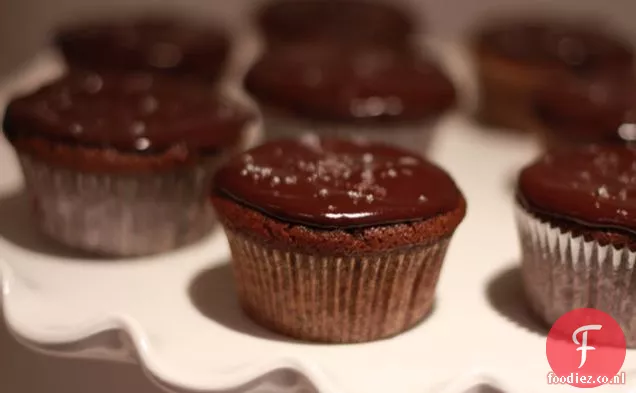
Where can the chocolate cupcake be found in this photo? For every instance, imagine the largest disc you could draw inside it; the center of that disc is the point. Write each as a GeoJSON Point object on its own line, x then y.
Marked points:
{"type": "Point", "coordinates": [365, 92]}
{"type": "Point", "coordinates": [577, 111]}
{"type": "Point", "coordinates": [343, 22]}
{"type": "Point", "coordinates": [121, 164]}
{"type": "Point", "coordinates": [577, 224]}
{"type": "Point", "coordinates": [336, 241]}
{"type": "Point", "coordinates": [151, 44]}
{"type": "Point", "coordinates": [517, 57]}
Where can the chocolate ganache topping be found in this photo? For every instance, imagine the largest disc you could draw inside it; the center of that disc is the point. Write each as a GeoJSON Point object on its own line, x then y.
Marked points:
{"type": "Point", "coordinates": [599, 109]}
{"type": "Point", "coordinates": [328, 183]}
{"type": "Point", "coordinates": [594, 186]}
{"type": "Point", "coordinates": [562, 44]}
{"type": "Point", "coordinates": [363, 84]}
{"type": "Point", "coordinates": [138, 113]}
{"type": "Point", "coordinates": [158, 43]}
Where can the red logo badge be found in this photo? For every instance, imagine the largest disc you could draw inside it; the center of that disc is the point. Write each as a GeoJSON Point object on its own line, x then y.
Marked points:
{"type": "Point", "coordinates": [586, 348]}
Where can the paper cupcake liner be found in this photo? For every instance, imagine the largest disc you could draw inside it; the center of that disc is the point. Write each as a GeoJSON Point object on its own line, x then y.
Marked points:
{"type": "Point", "coordinates": [123, 215]}
{"type": "Point", "coordinates": [335, 299]}
{"type": "Point", "coordinates": [562, 272]}
{"type": "Point", "coordinates": [412, 136]}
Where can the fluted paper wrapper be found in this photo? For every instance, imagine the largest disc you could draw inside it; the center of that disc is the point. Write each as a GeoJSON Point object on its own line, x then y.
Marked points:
{"type": "Point", "coordinates": [120, 215]}
{"type": "Point", "coordinates": [562, 272]}
{"type": "Point", "coordinates": [335, 299]}
{"type": "Point", "coordinates": [411, 136]}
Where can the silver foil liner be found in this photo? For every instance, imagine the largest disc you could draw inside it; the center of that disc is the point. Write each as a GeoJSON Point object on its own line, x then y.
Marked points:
{"type": "Point", "coordinates": [415, 137]}
{"type": "Point", "coordinates": [121, 215]}
{"type": "Point", "coordinates": [562, 272]}
{"type": "Point", "coordinates": [335, 299]}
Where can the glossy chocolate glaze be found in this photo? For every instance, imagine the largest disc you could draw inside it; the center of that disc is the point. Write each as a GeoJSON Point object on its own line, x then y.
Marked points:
{"type": "Point", "coordinates": [336, 21]}
{"type": "Point", "coordinates": [130, 112]}
{"type": "Point", "coordinates": [158, 44]}
{"type": "Point", "coordinates": [577, 47]}
{"type": "Point", "coordinates": [332, 183]}
{"type": "Point", "coordinates": [594, 185]}
{"type": "Point", "coordinates": [361, 84]}
{"type": "Point", "coordinates": [600, 109]}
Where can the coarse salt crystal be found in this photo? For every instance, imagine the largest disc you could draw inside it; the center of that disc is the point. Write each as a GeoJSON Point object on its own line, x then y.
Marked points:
{"type": "Point", "coordinates": [602, 192]}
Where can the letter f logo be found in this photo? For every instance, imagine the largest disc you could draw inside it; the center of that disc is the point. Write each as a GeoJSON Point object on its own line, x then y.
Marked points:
{"type": "Point", "coordinates": [583, 344]}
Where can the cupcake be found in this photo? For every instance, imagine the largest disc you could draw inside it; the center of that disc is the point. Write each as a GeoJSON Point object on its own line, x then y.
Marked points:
{"type": "Point", "coordinates": [121, 164]}
{"type": "Point", "coordinates": [336, 241]}
{"type": "Point", "coordinates": [365, 92]}
{"type": "Point", "coordinates": [341, 22]}
{"type": "Point", "coordinates": [516, 57]}
{"type": "Point", "coordinates": [152, 44]}
{"type": "Point", "coordinates": [575, 111]}
{"type": "Point", "coordinates": [577, 222]}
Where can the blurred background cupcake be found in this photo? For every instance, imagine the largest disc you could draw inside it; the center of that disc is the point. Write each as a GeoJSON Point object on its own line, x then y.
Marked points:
{"type": "Point", "coordinates": [162, 44]}
{"type": "Point", "coordinates": [357, 92]}
{"type": "Point", "coordinates": [575, 111]}
{"type": "Point", "coordinates": [121, 164]}
{"type": "Point", "coordinates": [516, 56]}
